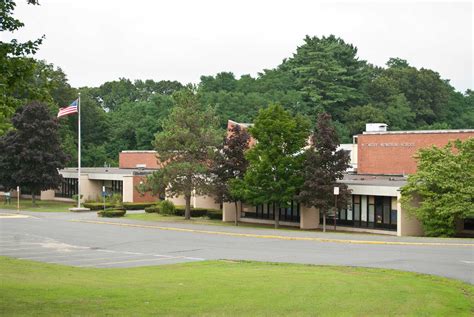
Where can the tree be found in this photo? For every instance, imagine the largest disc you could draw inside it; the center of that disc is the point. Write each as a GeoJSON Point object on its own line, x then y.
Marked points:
{"type": "Point", "coordinates": [31, 155]}
{"type": "Point", "coordinates": [230, 165]}
{"type": "Point", "coordinates": [441, 191]}
{"type": "Point", "coordinates": [186, 146]}
{"type": "Point", "coordinates": [16, 70]}
{"type": "Point", "coordinates": [357, 117]}
{"type": "Point", "coordinates": [330, 75]}
{"type": "Point", "coordinates": [273, 174]}
{"type": "Point", "coordinates": [323, 166]}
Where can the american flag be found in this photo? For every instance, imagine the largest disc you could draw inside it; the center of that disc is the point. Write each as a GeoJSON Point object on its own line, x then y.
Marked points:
{"type": "Point", "coordinates": [72, 108]}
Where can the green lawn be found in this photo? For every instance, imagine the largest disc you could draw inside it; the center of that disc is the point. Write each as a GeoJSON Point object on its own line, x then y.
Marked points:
{"type": "Point", "coordinates": [42, 205]}
{"type": "Point", "coordinates": [226, 288]}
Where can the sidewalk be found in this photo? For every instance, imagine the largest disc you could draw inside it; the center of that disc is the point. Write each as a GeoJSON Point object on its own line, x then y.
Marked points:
{"type": "Point", "coordinates": [264, 233]}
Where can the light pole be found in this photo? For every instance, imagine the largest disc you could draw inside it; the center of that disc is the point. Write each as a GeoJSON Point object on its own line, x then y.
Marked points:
{"type": "Point", "coordinates": [18, 199]}
{"type": "Point", "coordinates": [336, 193]}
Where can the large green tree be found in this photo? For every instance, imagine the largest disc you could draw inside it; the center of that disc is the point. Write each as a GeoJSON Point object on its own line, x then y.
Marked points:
{"type": "Point", "coordinates": [441, 191]}
{"type": "Point", "coordinates": [186, 147]}
{"type": "Point", "coordinates": [273, 174]}
{"type": "Point", "coordinates": [329, 74]}
{"type": "Point", "coordinates": [323, 166]}
{"type": "Point", "coordinates": [31, 155]}
{"type": "Point", "coordinates": [16, 69]}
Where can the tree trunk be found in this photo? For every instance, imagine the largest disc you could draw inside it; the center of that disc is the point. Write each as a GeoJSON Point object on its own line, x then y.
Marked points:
{"type": "Point", "coordinates": [324, 221]}
{"type": "Point", "coordinates": [277, 217]}
{"type": "Point", "coordinates": [187, 210]}
{"type": "Point", "coordinates": [236, 214]}
{"type": "Point", "coordinates": [33, 198]}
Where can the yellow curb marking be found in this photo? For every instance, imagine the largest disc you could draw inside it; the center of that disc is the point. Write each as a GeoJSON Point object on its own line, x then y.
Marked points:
{"type": "Point", "coordinates": [11, 216]}
{"type": "Point", "coordinates": [262, 236]}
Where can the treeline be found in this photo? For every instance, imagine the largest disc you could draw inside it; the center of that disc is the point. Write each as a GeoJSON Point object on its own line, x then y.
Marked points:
{"type": "Point", "coordinates": [324, 74]}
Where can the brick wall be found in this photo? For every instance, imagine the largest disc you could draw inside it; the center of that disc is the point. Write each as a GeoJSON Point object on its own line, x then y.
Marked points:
{"type": "Point", "coordinates": [131, 159]}
{"type": "Point", "coordinates": [394, 153]}
{"type": "Point", "coordinates": [137, 198]}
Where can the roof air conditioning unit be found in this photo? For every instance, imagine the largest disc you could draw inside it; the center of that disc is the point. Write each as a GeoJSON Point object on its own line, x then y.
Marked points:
{"type": "Point", "coordinates": [375, 127]}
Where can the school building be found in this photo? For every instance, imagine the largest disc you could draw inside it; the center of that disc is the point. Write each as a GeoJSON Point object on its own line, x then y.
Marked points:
{"type": "Point", "coordinates": [381, 160]}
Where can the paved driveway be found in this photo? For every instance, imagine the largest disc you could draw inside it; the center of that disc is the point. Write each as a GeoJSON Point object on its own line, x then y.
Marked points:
{"type": "Point", "coordinates": [87, 241]}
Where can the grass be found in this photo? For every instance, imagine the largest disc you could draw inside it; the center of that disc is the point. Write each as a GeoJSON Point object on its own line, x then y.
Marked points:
{"type": "Point", "coordinates": [226, 288]}
{"type": "Point", "coordinates": [41, 205]}
{"type": "Point", "coordinates": [154, 217]}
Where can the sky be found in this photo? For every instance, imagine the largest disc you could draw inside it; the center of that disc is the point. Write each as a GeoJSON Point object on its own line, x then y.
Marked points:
{"type": "Point", "coordinates": [97, 41]}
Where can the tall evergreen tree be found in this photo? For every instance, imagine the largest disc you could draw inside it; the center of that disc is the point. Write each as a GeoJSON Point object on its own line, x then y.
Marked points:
{"type": "Point", "coordinates": [273, 175]}
{"type": "Point", "coordinates": [329, 73]}
{"type": "Point", "coordinates": [31, 155]}
{"type": "Point", "coordinates": [186, 147]}
{"type": "Point", "coordinates": [230, 165]}
{"type": "Point", "coordinates": [323, 166]}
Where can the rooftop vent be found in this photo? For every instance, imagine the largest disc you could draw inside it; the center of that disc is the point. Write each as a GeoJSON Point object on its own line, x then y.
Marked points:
{"type": "Point", "coordinates": [375, 127]}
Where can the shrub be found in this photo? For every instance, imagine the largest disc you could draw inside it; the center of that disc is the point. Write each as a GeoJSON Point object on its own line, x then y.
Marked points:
{"type": "Point", "coordinates": [153, 209]}
{"type": "Point", "coordinates": [111, 213]}
{"type": "Point", "coordinates": [167, 207]}
{"type": "Point", "coordinates": [98, 206]}
{"type": "Point", "coordinates": [138, 206]}
{"type": "Point", "coordinates": [196, 212]}
{"type": "Point", "coordinates": [115, 199]}
{"type": "Point", "coordinates": [214, 214]}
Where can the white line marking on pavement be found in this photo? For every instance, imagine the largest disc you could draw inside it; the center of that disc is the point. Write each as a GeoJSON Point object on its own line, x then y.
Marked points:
{"type": "Point", "coordinates": [468, 262]}
{"type": "Point", "coordinates": [131, 261]}
{"type": "Point", "coordinates": [54, 255]}
{"type": "Point", "coordinates": [72, 261]}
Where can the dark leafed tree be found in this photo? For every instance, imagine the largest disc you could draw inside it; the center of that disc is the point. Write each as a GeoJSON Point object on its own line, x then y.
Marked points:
{"type": "Point", "coordinates": [230, 165]}
{"type": "Point", "coordinates": [31, 155]}
{"type": "Point", "coordinates": [322, 167]}
{"type": "Point", "coordinates": [186, 146]}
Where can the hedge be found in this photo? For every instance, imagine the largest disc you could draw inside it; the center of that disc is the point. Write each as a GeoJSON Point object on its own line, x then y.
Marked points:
{"type": "Point", "coordinates": [111, 213]}
{"type": "Point", "coordinates": [98, 206]}
{"type": "Point", "coordinates": [138, 206]}
{"type": "Point", "coordinates": [200, 212]}
{"type": "Point", "coordinates": [153, 209]}
{"type": "Point", "coordinates": [195, 212]}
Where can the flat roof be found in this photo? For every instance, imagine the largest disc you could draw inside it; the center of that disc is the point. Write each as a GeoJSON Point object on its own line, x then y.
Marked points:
{"type": "Point", "coordinates": [109, 170]}
{"type": "Point", "coordinates": [421, 131]}
{"type": "Point", "coordinates": [374, 180]}
{"type": "Point", "coordinates": [242, 124]}
{"type": "Point", "coordinates": [138, 151]}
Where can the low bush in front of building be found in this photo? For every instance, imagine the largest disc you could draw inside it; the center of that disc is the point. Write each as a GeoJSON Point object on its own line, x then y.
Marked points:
{"type": "Point", "coordinates": [138, 206]}
{"type": "Point", "coordinates": [111, 213]}
{"type": "Point", "coordinates": [214, 214]}
{"type": "Point", "coordinates": [153, 209]}
{"type": "Point", "coordinates": [167, 208]}
{"type": "Point", "coordinates": [98, 206]}
{"type": "Point", "coordinates": [200, 212]}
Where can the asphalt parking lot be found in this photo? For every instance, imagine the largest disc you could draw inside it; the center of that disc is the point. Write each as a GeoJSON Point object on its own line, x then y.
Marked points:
{"type": "Point", "coordinates": [83, 240]}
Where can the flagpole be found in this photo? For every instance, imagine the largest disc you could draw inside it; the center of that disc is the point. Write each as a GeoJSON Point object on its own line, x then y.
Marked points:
{"type": "Point", "coordinates": [79, 152]}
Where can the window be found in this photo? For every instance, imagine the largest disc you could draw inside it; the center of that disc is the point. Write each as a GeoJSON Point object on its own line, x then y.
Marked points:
{"type": "Point", "coordinates": [117, 187]}
{"type": "Point", "coordinates": [67, 189]}
{"type": "Point", "coordinates": [267, 211]}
